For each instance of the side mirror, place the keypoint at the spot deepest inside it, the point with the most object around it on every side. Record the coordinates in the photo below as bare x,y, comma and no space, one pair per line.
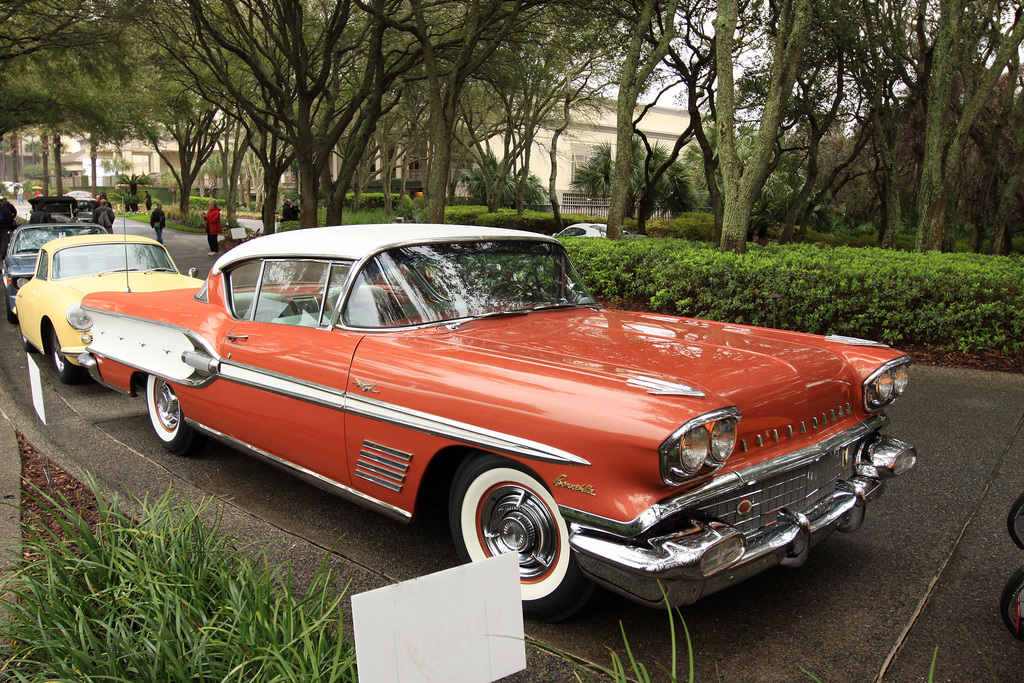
192,271
1015,521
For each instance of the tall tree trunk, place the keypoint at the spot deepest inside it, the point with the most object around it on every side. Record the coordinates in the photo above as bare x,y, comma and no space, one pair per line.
944,149
17,174
556,206
640,61
58,166
741,182
44,138
93,156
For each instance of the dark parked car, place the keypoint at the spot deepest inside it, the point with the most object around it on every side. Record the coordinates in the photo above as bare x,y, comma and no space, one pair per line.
86,209
20,260
62,209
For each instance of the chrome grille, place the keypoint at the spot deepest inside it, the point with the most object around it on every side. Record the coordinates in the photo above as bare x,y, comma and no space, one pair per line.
799,489
384,466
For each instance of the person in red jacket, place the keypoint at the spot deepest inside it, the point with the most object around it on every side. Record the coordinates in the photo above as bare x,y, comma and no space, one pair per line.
213,227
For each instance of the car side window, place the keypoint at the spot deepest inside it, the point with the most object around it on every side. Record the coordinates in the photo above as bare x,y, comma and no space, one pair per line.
301,292
43,265
291,292
335,288
242,282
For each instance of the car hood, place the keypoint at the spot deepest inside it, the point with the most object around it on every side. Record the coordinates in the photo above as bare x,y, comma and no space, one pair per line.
137,282
775,377
21,264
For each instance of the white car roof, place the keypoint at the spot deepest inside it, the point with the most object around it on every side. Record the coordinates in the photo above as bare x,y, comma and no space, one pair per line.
356,241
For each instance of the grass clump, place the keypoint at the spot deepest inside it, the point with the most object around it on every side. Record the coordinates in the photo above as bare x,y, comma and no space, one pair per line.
170,597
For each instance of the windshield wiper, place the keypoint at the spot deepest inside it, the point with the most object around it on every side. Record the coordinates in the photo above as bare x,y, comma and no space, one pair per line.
118,270
160,270
561,304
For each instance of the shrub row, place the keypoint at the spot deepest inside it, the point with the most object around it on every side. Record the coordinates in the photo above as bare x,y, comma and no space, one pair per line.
965,302
532,221
195,221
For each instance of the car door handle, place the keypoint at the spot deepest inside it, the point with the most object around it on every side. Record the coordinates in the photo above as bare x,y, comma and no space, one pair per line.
237,337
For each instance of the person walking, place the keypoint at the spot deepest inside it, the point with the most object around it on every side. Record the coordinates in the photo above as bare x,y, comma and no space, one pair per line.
157,220
104,216
213,227
149,202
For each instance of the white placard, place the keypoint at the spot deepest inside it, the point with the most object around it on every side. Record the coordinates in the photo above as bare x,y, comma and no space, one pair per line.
35,381
463,624
238,233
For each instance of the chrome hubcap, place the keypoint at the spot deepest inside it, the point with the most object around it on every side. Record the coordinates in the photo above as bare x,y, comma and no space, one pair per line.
513,520
167,405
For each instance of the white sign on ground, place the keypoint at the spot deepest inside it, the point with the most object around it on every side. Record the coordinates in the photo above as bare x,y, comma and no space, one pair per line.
463,624
36,383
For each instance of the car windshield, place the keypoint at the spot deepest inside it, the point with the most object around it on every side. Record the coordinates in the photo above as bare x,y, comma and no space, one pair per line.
30,240
443,282
96,259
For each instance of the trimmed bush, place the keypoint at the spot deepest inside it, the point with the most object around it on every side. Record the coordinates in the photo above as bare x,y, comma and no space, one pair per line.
965,302
696,227
531,221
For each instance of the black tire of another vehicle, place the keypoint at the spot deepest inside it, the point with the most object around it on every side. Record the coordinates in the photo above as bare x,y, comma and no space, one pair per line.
497,505
25,343
1010,604
66,372
168,421
11,318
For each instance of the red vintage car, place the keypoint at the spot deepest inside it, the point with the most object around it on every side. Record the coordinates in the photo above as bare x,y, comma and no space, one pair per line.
639,452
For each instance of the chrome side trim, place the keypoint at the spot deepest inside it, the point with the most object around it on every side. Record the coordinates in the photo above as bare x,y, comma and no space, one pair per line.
283,385
662,388
667,508
855,341
306,475
436,425
196,381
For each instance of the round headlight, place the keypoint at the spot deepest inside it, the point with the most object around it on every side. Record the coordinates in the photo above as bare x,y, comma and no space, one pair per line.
884,387
900,378
22,281
693,448
723,440
78,318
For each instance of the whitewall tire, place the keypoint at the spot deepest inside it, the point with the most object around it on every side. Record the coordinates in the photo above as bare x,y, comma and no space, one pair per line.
497,506
167,419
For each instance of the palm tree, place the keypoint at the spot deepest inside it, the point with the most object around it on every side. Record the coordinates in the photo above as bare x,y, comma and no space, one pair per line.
475,180
674,192
132,180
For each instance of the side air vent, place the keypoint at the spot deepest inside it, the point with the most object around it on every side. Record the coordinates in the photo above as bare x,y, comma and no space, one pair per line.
383,466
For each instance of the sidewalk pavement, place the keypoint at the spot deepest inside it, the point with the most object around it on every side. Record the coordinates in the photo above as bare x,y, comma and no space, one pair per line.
10,494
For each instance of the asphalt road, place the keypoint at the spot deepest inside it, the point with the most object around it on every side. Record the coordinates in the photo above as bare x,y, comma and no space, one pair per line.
922,576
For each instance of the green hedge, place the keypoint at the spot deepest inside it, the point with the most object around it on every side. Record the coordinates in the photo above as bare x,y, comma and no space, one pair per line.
531,221
966,302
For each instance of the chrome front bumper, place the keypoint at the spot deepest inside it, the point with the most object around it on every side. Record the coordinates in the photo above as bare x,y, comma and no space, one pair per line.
709,555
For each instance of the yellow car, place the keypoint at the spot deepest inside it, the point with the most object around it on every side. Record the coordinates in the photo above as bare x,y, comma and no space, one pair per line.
49,306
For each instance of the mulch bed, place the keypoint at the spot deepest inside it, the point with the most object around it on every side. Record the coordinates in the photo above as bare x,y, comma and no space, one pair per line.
40,475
